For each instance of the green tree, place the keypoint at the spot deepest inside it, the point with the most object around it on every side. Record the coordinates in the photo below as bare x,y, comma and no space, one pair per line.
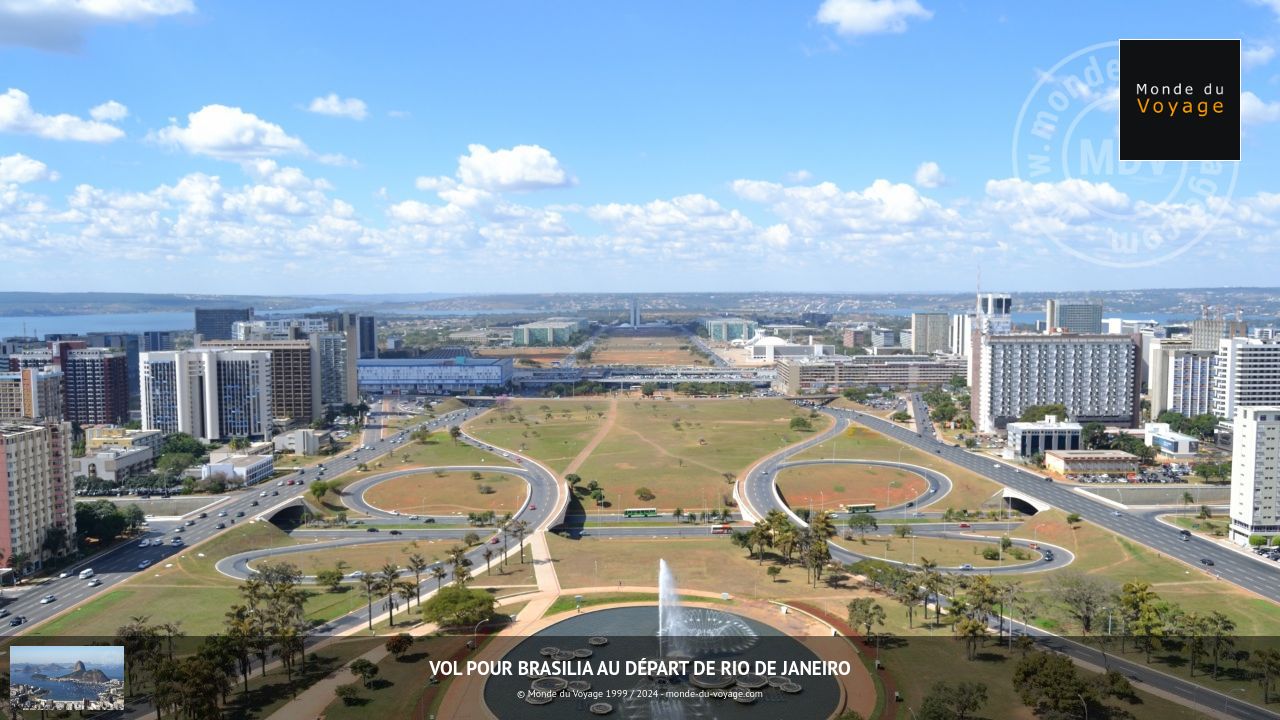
1093,435
645,494
801,424
347,693
455,433
773,571
1036,413
947,701
364,670
331,579
399,644
458,607
866,613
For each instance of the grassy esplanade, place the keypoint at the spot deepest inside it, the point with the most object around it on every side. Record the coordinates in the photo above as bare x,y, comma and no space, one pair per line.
684,453
645,349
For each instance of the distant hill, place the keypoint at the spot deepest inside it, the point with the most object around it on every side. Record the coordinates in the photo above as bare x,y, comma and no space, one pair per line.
80,673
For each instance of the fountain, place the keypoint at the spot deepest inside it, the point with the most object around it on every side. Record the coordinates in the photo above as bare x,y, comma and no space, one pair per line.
671,631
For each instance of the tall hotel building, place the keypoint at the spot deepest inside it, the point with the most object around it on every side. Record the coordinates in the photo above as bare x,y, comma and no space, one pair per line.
1180,379
1247,375
209,393
1094,376
1255,473
37,494
31,394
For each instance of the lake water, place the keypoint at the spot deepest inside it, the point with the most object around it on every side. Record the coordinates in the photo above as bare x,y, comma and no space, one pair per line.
39,326
63,690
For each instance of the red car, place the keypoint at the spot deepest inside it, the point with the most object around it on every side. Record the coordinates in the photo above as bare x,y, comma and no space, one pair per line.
965,526
533,507
495,540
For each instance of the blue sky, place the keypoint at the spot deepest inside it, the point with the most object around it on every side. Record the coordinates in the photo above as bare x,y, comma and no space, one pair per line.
88,654
853,145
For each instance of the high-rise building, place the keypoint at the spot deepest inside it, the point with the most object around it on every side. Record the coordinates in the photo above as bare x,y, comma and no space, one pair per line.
1255,473
128,343
36,497
1083,318
280,328
1206,332
295,377
215,323
1094,376
1247,375
1180,379
635,312
157,341
884,337
31,394
992,315
95,385
348,324
960,334
368,337
930,333
330,351
210,393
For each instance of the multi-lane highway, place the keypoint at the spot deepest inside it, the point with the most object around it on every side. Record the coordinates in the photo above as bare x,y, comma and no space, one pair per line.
121,563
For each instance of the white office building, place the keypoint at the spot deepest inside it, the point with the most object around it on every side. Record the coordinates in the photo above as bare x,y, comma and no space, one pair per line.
1180,379
1255,473
434,375
1073,317
960,334
930,333
211,394
1094,376
1247,375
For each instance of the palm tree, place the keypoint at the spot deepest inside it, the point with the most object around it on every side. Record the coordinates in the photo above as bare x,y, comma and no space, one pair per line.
439,573
370,583
519,528
909,594
407,591
488,555
823,523
387,578
417,564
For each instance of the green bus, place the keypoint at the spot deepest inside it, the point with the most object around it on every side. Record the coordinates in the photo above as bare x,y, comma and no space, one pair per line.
640,512
861,508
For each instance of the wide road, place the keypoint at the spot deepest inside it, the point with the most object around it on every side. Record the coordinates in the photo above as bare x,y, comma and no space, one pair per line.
117,565
1234,567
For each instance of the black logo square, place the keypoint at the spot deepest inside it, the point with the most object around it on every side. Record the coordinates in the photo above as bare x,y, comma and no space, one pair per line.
1179,100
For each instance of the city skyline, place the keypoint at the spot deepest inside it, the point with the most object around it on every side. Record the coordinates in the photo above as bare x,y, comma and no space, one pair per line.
718,142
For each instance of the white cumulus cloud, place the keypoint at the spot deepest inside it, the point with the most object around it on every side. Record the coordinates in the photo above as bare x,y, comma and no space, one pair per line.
868,17
335,106
1256,111
19,168
60,24
929,175
109,111
17,116
523,167
229,133
1256,56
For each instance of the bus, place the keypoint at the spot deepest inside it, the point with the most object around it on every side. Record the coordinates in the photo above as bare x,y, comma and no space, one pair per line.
721,529
861,508
640,512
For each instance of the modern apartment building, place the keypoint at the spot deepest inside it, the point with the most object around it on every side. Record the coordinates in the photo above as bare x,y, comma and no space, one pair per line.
930,333
800,376
95,385
1094,376
295,377
31,394
216,323
36,497
1247,375
1255,473
213,394
549,332
1073,317
281,328
1180,379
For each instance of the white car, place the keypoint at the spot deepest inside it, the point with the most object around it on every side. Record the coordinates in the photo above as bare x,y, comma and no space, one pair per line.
144,564
145,543
47,599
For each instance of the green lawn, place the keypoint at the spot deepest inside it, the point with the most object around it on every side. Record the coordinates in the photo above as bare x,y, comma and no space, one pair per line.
688,451
552,431
567,603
